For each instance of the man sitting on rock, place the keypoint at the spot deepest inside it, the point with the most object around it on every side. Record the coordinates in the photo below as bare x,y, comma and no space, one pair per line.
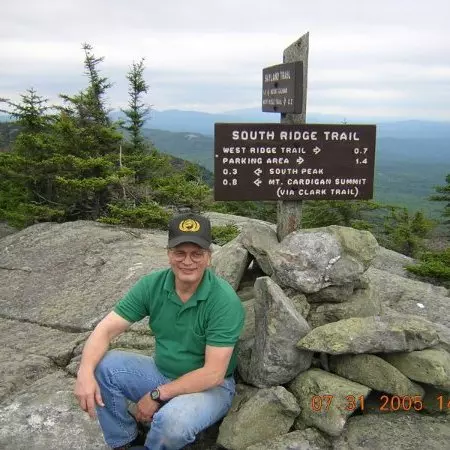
196,318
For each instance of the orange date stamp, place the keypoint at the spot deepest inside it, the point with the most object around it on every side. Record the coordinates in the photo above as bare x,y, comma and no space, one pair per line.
386,403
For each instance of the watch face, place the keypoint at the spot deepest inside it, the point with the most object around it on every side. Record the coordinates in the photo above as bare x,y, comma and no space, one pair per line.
154,394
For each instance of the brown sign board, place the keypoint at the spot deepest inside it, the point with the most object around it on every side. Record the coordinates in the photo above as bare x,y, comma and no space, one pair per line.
283,88
293,162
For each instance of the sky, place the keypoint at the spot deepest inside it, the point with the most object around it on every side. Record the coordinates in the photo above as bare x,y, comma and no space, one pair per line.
367,58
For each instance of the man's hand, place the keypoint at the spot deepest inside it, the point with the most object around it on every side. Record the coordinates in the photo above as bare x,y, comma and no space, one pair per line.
145,408
87,392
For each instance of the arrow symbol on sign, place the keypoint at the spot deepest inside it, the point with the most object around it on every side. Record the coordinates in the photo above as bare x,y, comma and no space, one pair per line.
300,160
258,171
317,150
257,182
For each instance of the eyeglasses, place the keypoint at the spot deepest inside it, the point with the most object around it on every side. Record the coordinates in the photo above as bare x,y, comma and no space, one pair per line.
179,255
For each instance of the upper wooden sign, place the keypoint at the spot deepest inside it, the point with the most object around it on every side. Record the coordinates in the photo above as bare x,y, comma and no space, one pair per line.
282,88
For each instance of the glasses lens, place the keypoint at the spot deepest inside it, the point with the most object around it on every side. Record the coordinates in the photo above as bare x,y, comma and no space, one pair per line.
181,256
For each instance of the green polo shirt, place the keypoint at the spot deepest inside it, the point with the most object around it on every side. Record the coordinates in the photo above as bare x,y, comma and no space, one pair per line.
214,316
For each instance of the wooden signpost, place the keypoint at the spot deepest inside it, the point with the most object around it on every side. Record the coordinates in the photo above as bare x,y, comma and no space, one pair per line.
292,161
289,213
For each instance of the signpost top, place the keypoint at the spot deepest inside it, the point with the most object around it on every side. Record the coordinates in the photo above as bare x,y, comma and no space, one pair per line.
293,162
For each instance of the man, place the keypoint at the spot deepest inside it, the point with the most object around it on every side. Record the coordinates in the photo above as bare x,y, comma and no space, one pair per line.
188,385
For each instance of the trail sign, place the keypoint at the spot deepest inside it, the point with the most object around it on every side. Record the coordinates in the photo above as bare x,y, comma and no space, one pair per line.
282,88
293,162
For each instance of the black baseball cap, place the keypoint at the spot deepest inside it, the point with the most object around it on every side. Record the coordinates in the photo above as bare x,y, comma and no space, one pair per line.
190,228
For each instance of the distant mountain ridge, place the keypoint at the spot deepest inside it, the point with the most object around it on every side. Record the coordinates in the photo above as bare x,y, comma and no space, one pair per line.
202,122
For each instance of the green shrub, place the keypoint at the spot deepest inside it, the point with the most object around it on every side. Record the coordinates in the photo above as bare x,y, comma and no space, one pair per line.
434,265
223,234
148,215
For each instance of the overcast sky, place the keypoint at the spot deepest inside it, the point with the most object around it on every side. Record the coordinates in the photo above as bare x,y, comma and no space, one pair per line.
384,58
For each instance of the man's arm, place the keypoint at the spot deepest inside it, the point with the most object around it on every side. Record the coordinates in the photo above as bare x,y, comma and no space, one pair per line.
212,374
98,342
87,390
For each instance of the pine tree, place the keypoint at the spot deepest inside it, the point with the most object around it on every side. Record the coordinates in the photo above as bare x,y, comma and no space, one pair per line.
444,196
137,111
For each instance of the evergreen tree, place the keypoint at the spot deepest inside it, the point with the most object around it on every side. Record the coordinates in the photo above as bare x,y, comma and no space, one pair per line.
444,196
137,111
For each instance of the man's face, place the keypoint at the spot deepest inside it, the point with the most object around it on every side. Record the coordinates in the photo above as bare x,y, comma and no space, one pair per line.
188,262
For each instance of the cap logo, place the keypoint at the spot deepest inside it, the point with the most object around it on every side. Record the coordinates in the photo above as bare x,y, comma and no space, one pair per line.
189,225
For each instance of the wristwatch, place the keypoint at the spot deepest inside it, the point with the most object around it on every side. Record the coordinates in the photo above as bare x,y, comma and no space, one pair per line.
155,395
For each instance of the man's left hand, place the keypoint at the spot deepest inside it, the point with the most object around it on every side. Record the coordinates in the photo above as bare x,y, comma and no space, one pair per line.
145,408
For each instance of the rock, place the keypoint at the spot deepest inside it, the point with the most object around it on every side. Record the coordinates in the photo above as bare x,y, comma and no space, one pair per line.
6,230
37,340
374,372
359,244
266,414
72,295
135,341
326,400
220,219
246,293
436,400
372,335
333,294
249,325
392,262
19,370
301,304
275,358
399,431
311,260
431,366
409,296
245,349
309,439
230,262
260,240
46,416
361,303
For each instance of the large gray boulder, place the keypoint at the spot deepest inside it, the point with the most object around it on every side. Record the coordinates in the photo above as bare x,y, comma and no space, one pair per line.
47,416
260,240
230,262
68,276
308,439
397,293
392,262
266,414
374,372
372,335
312,260
399,431
360,303
326,400
19,370
431,366
275,358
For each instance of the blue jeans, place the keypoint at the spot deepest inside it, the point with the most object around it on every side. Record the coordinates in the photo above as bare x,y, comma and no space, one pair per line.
124,375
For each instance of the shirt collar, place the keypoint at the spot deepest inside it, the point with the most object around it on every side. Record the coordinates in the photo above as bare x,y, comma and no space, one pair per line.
203,289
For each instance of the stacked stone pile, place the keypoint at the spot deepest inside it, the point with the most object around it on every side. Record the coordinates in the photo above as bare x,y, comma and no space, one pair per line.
336,353
350,343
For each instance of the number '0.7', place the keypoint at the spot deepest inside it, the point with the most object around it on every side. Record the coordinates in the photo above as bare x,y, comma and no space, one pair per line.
360,151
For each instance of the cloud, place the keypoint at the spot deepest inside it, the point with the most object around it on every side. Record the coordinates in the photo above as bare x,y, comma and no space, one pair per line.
392,56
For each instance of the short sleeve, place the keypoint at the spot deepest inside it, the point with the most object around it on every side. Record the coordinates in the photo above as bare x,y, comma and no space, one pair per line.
134,305
225,323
